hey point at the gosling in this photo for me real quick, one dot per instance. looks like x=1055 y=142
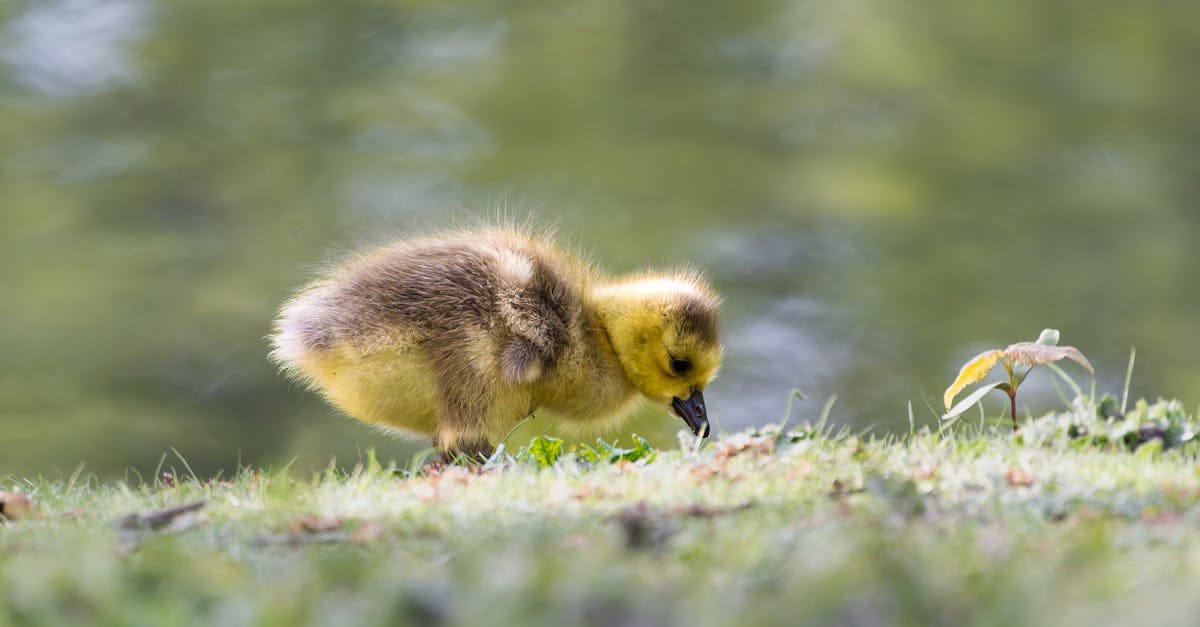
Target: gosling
x=461 y=336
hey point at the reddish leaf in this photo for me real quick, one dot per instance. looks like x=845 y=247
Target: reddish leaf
x=1034 y=354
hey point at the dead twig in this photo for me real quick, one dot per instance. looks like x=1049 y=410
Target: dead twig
x=159 y=519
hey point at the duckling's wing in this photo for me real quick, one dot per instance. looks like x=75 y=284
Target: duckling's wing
x=520 y=362
x=538 y=317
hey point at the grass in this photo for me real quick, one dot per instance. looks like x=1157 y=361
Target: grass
x=1074 y=522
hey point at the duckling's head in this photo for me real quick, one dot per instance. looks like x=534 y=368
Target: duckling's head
x=664 y=329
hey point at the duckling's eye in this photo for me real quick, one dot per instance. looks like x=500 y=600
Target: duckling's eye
x=680 y=366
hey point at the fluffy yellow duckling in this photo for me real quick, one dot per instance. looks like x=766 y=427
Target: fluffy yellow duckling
x=462 y=335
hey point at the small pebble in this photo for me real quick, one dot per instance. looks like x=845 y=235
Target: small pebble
x=14 y=505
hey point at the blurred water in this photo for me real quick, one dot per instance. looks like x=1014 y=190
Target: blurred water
x=67 y=47
x=879 y=189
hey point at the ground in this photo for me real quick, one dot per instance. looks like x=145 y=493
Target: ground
x=1082 y=519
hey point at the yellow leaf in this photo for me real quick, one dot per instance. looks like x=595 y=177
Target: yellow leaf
x=973 y=372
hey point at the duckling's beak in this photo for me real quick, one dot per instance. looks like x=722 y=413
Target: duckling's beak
x=693 y=413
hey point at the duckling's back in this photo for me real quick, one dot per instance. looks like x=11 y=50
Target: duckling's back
x=410 y=333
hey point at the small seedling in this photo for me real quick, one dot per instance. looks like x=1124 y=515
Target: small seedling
x=545 y=450
x=605 y=453
x=1018 y=360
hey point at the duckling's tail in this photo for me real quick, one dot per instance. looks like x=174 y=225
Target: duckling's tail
x=298 y=332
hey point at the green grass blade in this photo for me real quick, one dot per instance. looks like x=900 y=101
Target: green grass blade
x=186 y=465
x=1062 y=374
x=820 y=426
x=787 y=412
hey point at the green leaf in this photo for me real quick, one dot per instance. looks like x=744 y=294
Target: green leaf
x=1151 y=449
x=589 y=454
x=970 y=400
x=1106 y=407
x=604 y=452
x=545 y=450
x=642 y=451
x=608 y=452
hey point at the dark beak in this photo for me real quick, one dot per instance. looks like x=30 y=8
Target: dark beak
x=693 y=413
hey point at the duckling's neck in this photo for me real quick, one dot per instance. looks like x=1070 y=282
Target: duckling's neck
x=589 y=384
x=610 y=308
x=602 y=340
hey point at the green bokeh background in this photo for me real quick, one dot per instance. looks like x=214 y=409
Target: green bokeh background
x=879 y=188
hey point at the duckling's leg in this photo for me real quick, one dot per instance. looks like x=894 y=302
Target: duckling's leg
x=474 y=450
x=460 y=434
x=464 y=396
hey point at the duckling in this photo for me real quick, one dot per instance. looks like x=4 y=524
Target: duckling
x=460 y=336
